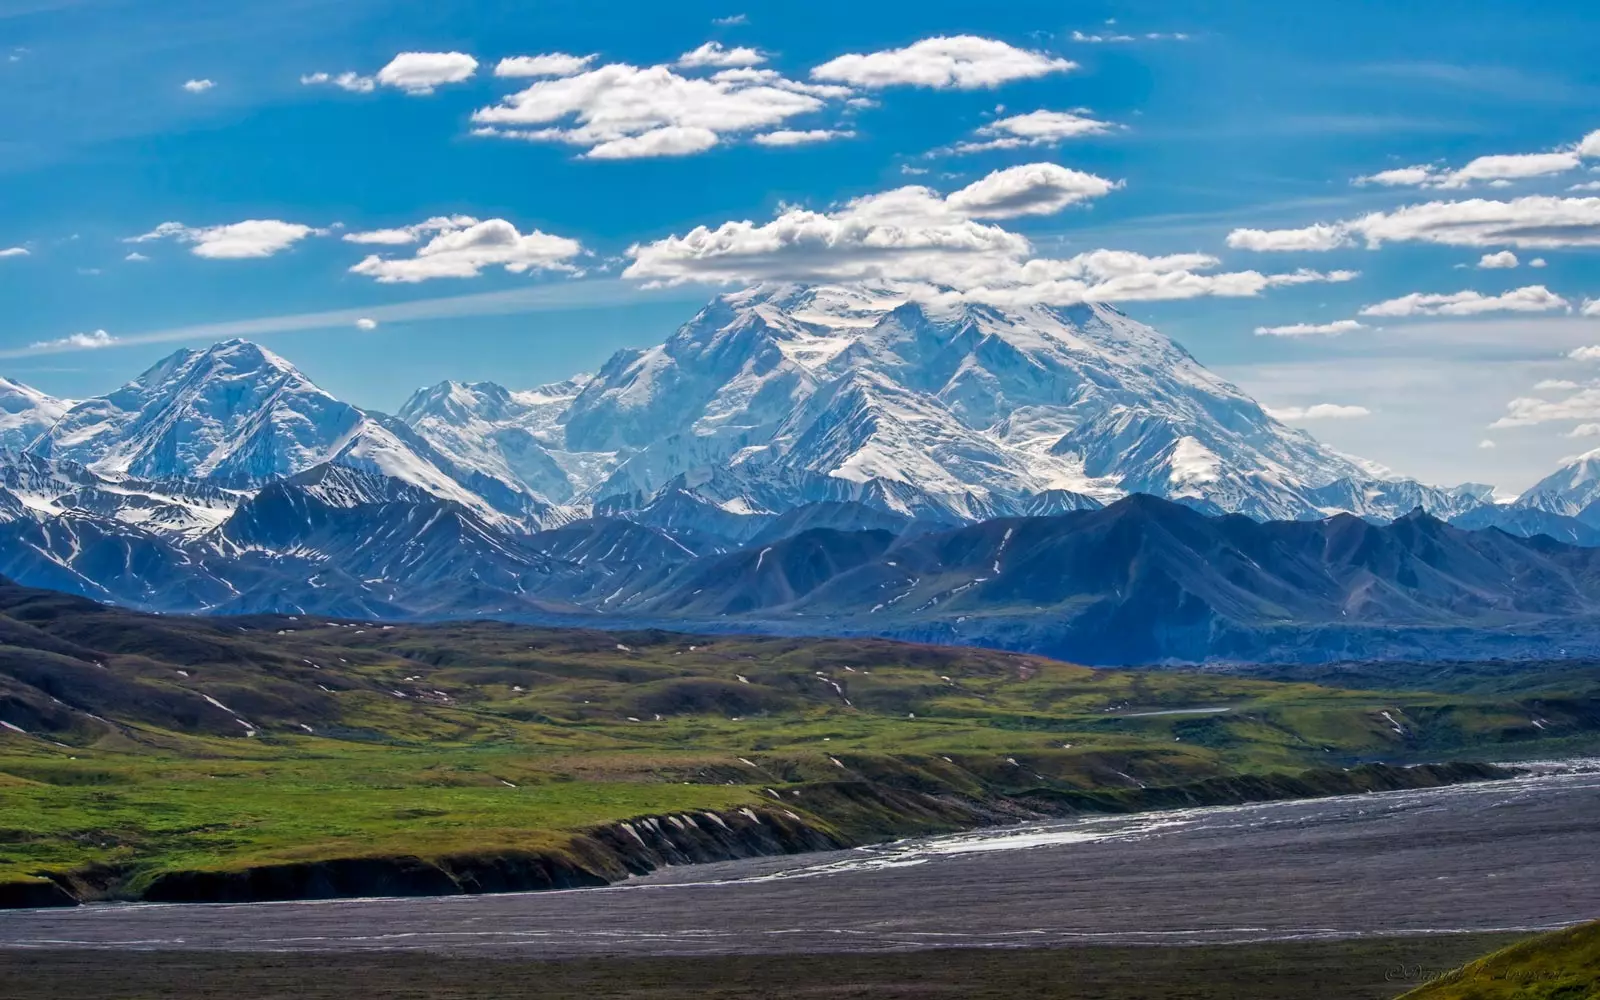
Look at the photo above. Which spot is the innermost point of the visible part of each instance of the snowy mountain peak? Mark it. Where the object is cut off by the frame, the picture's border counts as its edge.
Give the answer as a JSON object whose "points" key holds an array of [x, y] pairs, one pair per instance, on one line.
{"points": [[1569, 489], [26, 413], [234, 413], [868, 382]]}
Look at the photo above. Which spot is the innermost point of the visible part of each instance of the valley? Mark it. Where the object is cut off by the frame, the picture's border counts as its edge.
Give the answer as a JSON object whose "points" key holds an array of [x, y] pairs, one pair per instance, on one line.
{"points": [[236, 758]]}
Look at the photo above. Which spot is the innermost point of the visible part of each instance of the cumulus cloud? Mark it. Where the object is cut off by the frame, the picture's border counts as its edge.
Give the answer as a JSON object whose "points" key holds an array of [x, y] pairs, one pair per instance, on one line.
{"points": [[353, 82], [962, 62], [466, 251], [1503, 259], [1487, 444], [198, 86], [1333, 329], [401, 235], [619, 110], [420, 72], [936, 245], [1589, 145], [1553, 384], [76, 342], [238, 240], [1528, 411], [1031, 189], [1532, 298], [1584, 431], [1317, 411], [1589, 353], [1590, 308], [801, 137], [1533, 222], [712, 54], [136, 257], [548, 64], [14, 252], [669, 140], [1036, 128], [1484, 169], [1399, 177], [366, 323], [1318, 237]]}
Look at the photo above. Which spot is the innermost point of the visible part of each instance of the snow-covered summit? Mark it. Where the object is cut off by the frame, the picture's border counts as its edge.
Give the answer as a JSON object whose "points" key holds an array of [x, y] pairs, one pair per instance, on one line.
{"points": [[959, 401], [238, 415], [26, 413]]}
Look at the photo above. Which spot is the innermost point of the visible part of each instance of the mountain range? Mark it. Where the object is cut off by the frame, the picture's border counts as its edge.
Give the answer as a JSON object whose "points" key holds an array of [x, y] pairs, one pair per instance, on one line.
{"points": [[812, 447]]}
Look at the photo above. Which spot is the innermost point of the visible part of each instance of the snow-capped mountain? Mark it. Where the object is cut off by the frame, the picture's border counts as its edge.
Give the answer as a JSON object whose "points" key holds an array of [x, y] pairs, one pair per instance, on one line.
{"points": [[513, 437], [1568, 490], [799, 394], [26, 413], [43, 489], [238, 416]]}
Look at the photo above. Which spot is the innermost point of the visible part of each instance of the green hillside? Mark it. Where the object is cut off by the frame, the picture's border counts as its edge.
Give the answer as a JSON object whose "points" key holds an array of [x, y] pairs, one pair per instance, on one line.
{"points": [[138, 746], [1564, 965]]}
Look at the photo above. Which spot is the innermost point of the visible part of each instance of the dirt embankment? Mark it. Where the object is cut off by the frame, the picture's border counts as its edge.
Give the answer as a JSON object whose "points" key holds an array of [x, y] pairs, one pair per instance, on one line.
{"points": [[823, 816]]}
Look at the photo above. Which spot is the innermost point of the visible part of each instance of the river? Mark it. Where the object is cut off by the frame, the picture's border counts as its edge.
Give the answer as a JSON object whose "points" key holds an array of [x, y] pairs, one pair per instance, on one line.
{"points": [[1522, 854]]}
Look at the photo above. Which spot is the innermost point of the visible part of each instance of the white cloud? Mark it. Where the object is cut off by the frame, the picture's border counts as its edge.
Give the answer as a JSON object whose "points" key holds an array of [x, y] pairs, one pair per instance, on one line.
{"points": [[1317, 411], [1030, 189], [366, 323], [1525, 223], [1116, 38], [963, 62], [731, 20], [465, 252], [1591, 308], [1036, 128], [76, 342], [1584, 431], [1589, 353], [1487, 444], [1533, 222], [1554, 384], [418, 73], [410, 234], [548, 64], [793, 137], [1484, 169], [1318, 237], [619, 102], [668, 140], [238, 240], [1333, 329], [14, 252], [1528, 411], [136, 257], [1537, 262], [353, 82], [1400, 177], [198, 86], [1503, 259], [713, 54], [1589, 145], [1532, 298], [1585, 186], [936, 246]]}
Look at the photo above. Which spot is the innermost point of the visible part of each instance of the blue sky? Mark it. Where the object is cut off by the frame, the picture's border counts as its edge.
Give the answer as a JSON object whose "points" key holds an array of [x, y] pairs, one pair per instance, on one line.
{"points": [[1260, 117]]}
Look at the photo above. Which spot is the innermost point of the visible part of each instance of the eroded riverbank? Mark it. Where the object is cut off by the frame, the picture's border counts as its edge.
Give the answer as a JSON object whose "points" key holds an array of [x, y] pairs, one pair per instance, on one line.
{"points": [[1499, 856]]}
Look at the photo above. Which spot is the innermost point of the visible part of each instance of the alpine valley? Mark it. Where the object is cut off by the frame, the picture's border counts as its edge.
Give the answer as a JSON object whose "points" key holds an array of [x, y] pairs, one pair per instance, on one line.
{"points": [[817, 459]]}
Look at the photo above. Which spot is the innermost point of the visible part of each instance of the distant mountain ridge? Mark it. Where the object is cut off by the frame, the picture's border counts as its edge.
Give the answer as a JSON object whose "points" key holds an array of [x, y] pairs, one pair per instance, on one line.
{"points": [[823, 426], [768, 399]]}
